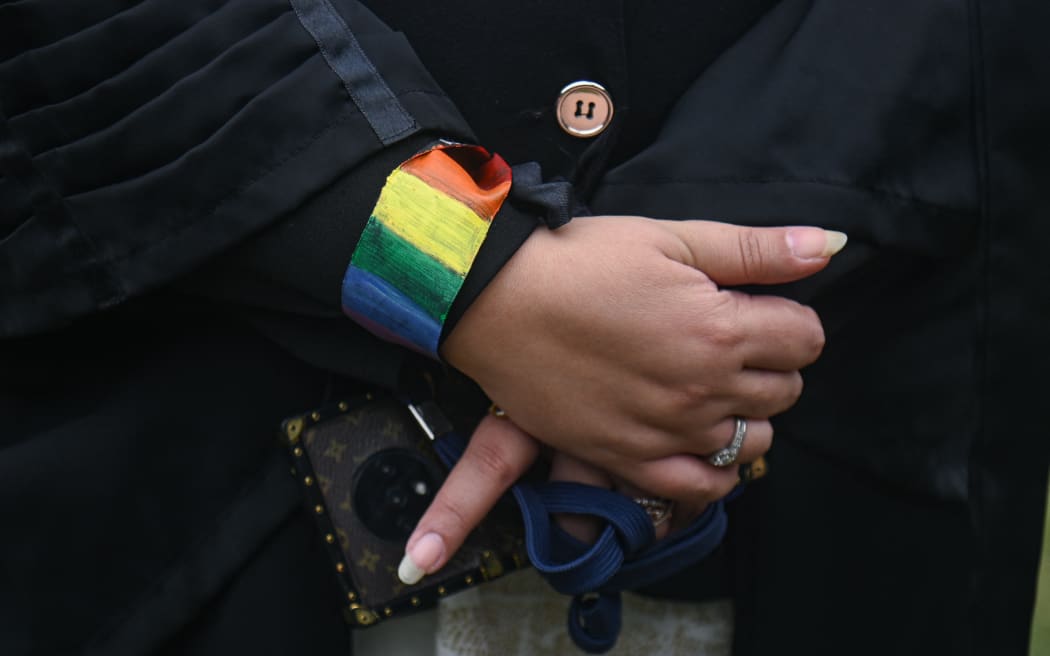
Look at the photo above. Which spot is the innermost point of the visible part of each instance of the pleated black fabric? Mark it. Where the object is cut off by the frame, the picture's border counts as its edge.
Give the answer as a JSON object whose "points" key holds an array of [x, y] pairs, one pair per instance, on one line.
{"points": [[190, 116], [180, 184]]}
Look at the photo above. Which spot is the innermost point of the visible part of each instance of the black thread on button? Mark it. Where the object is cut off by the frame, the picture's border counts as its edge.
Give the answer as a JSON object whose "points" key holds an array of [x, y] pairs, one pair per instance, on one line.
{"points": [[590, 109]]}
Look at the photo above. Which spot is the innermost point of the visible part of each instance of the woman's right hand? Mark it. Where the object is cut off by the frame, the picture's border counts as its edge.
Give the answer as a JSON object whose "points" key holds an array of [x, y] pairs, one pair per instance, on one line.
{"points": [[612, 340]]}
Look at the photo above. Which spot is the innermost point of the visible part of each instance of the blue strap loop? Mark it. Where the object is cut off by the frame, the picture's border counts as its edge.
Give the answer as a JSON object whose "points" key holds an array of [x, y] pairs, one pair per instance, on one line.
{"points": [[595, 621], [625, 556]]}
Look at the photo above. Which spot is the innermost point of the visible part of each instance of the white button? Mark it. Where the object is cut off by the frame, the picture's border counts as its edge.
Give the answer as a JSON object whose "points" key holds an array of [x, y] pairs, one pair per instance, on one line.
{"points": [[584, 109]]}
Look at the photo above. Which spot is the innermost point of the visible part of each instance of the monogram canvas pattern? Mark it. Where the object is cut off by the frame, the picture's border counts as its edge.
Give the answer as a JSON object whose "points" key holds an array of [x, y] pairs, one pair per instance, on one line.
{"points": [[334, 445]]}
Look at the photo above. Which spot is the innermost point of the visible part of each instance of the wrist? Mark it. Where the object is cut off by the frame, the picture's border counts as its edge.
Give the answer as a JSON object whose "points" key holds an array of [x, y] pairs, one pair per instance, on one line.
{"points": [[499, 310]]}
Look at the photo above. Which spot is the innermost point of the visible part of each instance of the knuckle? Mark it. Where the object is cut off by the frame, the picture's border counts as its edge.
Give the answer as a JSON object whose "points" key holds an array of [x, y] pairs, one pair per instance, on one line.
{"points": [[700, 489], [759, 440], [490, 462], [725, 335], [689, 396], [787, 393], [451, 516], [724, 487], [819, 342], [800, 385], [816, 339], [752, 253], [775, 394], [722, 328], [708, 490], [793, 389]]}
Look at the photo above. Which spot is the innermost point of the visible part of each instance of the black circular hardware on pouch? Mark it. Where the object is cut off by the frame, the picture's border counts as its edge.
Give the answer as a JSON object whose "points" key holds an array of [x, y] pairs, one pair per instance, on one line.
{"points": [[392, 489]]}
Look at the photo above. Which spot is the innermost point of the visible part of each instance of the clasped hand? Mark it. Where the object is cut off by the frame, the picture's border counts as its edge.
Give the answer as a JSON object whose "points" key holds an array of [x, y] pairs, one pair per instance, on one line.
{"points": [[614, 341]]}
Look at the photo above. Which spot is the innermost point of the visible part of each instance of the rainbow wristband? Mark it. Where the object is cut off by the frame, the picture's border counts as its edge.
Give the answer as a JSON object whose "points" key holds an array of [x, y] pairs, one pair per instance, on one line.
{"points": [[421, 240]]}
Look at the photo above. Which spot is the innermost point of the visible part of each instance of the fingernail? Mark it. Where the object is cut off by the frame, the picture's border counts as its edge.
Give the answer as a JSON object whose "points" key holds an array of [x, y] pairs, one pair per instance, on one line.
{"points": [[811, 243], [421, 558]]}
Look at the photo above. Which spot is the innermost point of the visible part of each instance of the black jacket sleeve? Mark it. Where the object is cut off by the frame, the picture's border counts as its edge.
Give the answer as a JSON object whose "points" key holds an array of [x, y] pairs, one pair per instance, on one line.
{"points": [[184, 129], [286, 278]]}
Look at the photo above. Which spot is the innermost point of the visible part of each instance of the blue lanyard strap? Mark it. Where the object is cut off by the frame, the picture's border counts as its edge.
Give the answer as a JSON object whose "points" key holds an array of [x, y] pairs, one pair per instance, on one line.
{"points": [[626, 554]]}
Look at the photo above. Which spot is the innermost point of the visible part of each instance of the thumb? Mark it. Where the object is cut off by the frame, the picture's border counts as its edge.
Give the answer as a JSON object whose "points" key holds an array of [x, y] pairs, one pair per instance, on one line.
{"points": [[740, 255], [498, 454]]}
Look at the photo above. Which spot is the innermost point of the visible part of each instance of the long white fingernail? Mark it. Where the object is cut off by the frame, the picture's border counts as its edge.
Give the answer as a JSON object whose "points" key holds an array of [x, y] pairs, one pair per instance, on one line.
{"points": [[810, 243], [409, 572], [836, 240], [421, 558]]}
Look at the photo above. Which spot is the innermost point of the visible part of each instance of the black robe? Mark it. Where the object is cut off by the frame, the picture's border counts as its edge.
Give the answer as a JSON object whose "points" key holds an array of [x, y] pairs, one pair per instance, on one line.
{"points": [[181, 186]]}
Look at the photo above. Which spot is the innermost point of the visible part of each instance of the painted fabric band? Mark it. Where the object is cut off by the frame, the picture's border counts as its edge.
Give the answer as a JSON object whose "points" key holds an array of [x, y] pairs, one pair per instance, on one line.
{"points": [[421, 240]]}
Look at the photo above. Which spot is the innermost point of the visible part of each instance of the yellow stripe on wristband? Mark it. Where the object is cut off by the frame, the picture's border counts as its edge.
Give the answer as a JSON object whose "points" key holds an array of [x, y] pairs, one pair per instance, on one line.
{"points": [[452, 236]]}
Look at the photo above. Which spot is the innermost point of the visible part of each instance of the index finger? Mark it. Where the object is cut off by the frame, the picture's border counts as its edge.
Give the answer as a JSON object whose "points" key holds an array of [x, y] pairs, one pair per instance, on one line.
{"points": [[498, 454]]}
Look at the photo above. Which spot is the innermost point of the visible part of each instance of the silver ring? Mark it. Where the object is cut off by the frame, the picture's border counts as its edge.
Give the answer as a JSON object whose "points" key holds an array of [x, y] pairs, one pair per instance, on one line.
{"points": [[727, 456], [658, 509]]}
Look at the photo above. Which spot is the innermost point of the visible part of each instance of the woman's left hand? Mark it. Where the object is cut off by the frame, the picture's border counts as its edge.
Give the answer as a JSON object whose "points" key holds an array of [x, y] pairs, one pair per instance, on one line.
{"points": [[587, 528], [499, 453]]}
